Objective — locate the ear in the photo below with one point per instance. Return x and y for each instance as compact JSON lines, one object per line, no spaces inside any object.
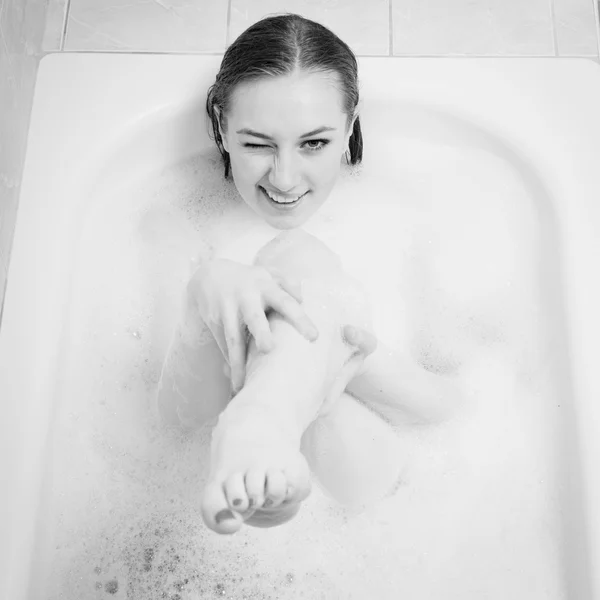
{"x":219,"y":117}
{"x":349,"y":132}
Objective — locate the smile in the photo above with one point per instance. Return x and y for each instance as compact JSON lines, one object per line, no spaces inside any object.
{"x":287,"y":201}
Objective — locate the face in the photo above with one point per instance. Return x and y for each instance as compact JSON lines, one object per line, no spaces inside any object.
{"x":286,"y":137}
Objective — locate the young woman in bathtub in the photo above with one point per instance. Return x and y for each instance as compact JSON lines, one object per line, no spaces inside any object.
{"x":284,"y":115}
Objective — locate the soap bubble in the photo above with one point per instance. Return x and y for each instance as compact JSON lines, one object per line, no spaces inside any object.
{"x":453,"y":284}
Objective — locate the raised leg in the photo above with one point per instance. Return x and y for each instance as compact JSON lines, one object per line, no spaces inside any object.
{"x":353,"y":452}
{"x":258,"y":473}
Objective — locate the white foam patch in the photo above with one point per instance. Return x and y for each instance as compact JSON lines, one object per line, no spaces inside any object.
{"x":474,"y":514}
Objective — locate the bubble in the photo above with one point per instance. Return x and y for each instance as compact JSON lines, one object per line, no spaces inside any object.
{"x":111,"y":587}
{"x":127,"y":492}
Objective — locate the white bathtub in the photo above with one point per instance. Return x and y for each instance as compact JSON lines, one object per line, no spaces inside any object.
{"x":99,"y":118}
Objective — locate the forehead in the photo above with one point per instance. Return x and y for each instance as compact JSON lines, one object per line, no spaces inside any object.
{"x":300,"y":101}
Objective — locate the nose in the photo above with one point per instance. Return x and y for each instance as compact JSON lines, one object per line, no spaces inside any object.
{"x":285,"y":172}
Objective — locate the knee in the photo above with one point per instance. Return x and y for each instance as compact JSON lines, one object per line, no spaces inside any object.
{"x":325,"y":285}
{"x":299,"y":254}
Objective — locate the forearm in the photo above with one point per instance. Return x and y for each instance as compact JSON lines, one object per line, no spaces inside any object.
{"x":398,"y":388}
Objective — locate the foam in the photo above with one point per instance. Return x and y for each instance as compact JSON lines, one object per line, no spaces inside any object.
{"x":476,"y":493}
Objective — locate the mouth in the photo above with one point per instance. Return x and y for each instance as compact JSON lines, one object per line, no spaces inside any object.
{"x":282,"y":202}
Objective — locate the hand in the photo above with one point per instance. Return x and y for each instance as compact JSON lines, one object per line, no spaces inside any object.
{"x":232,"y":297}
{"x":365,"y":344}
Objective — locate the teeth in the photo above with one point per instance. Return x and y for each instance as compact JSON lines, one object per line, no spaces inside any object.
{"x":282,"y":199}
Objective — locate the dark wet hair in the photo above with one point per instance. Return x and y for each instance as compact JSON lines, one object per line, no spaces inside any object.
{"x":276,"y":46}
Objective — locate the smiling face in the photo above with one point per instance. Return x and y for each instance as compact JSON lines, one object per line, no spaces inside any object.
{"x":286,"y":136}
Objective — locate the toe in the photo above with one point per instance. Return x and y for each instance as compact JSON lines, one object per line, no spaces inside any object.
{"x":235,"y":492}
{"x":255,"y":481}
{"x":298,"y":486}
{"x":216,"y":512}
{"x":276,"y":488}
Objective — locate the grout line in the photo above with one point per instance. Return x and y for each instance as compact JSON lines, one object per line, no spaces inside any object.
{"x":63,"y":36}
{"x":597,"y":23}
{"x":391,"y":24}
{"x":554,"y":36}
{"x":228,"y":24}
{"x":369,"y":56}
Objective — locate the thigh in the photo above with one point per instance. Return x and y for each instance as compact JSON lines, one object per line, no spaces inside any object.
{"x":194,"y":387}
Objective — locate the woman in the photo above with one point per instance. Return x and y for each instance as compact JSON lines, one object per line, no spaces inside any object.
{"x":284,"y":111}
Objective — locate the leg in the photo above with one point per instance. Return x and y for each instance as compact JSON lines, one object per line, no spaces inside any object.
{"x":354,"y":453}
{"x":258,"y":473}
{"x":193,"y":387}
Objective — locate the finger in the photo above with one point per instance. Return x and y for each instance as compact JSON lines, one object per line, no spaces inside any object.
{"x":289,"y":308}
{"x":236,"y":347}
{"x":364,"y":340}
{"x":256,"y":320}
{"x":292,"y":286}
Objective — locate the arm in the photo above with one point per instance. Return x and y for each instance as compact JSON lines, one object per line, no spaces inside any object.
{"x":395,"y":386}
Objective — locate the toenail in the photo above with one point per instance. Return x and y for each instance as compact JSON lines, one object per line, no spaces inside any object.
{"x":237,"y":502}
{"x":223,"y":515}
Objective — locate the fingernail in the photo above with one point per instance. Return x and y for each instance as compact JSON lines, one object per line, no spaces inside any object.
{"x":223,"y":515}
{"x":251,"y":502}
{"x":237,"y":502}
{"x":268,"y":502}
{"x":350,"y":333}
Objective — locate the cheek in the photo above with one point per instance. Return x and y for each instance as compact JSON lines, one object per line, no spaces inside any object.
{"x":329,"y":169}
{"x":246,"y":168}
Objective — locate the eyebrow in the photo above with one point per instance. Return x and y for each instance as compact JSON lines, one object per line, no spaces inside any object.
{"x":263,"y":136}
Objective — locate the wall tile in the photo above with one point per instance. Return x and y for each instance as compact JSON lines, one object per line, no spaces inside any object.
{"x":147,"y":25}
{"x":468,"y":27}
{"x":21,"y":27}
{"x":576,"y":27}
{"x":364,"y":26}
{"x":55,"y":23}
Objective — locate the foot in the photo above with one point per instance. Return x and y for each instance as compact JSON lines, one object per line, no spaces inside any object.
{"x":258,"y":477}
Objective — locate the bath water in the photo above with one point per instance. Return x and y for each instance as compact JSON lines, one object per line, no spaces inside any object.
{"x":445,"y":238}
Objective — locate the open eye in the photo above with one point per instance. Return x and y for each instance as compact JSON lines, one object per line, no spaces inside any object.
{"x":314,"y":145}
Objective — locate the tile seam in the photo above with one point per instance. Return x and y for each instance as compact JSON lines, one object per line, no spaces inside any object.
{"x":63,"y":36}
{"x":596,"y":5}
{"x":228,"y":24}
{"x":391,"y":27}
{"x":554,"y":33}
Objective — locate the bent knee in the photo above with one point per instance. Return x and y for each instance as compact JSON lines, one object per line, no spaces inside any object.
{"x":325,"y":285}
{"x":344,"y":298}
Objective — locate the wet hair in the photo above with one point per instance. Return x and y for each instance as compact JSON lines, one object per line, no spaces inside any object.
{"x":276,"y":46}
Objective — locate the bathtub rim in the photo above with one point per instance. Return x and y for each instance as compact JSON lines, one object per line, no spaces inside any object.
{"x":433,"y":78}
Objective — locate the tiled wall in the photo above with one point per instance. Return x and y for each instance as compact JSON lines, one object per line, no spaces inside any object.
{"x":21,"y":27}
{"x":371,"y":27}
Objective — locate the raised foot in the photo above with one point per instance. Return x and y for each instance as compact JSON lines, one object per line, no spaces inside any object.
{"x":257,"y":477}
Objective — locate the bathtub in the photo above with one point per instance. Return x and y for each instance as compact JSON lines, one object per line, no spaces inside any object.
{"x":117,"y":119}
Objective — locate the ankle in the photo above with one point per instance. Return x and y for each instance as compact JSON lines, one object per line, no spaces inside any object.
{"x":248,"y":417}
